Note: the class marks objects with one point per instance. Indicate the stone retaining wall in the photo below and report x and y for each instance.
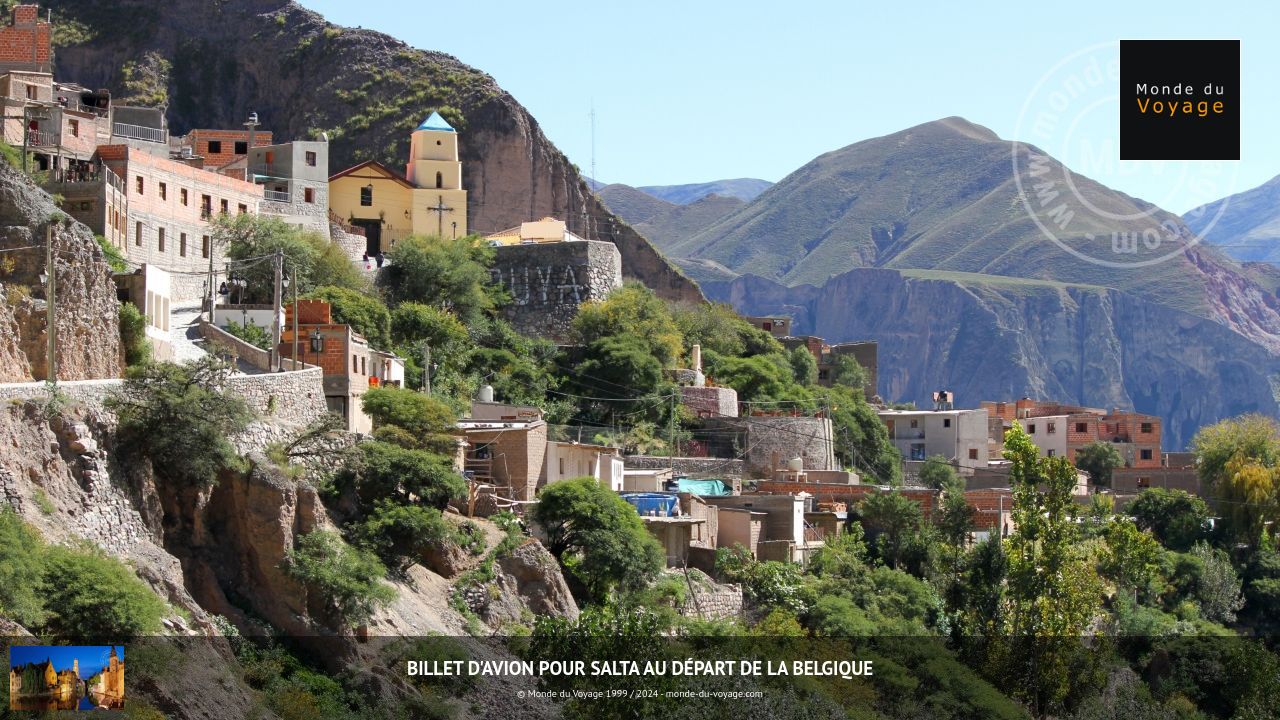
(694, 467)
(548, 282)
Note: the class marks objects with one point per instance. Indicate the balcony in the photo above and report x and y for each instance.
(40, 139)
(137, 132)
(276, 196)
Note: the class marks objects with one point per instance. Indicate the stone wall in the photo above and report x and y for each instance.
(811, 438)
(710, 401)
(694, 467)
(548, 282)
(288, 398)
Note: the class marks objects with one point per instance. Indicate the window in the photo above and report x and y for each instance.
(74, 127)
(915, 424)
(160, 239)
(164, 191)
(1052, 427)
(204, 246)
(1031, 429)
(241, 147)
(1082, 427)
(355, 365)
(824, 374)
(182, 244)
(366, 195)
(137, 234)
(137, 184)
(946, 422)
(1144, 482)
(206, 206)
(86, 206)
(311, 158)
(764, 326)
(1146, 428)
(561, 466)
(214, 147)
(182, 196)
(1052, 452)
(439, 180)
(242, 208)
(31, 92)
(309, 195)
(917, 451)
(973, 453)
(1146, 454)
(222, 204)
(363, 370)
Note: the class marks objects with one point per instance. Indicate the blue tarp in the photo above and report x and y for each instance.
(659, 504)
(706, 488)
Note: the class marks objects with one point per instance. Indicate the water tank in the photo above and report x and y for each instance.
(795, 464)
(485, 394)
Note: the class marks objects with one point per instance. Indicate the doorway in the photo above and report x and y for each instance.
(372, 235)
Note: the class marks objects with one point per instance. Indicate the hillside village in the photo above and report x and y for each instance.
(360, 373)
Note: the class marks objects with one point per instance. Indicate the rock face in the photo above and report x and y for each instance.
(1001, 340)
(87, 312)
(528, 582)
(365, 89)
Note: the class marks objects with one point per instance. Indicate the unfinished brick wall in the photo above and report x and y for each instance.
(24, 42)
(225, 144)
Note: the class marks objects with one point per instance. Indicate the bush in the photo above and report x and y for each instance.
(21, 568)
(254, 334)
(133, 335)
(450, 275)
(91, 595)
(397, 533)
(772, 584)
(419, 415)
(351, 578)
(112, 254)
(180, 414)
(391, 471)
(364, 313)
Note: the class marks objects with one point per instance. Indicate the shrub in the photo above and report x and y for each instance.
(21, 568)
(397, 533)
(252, 333)
(112, 254)
(351, 578)
(364, 313)
(133, 335)
(91, 595)
(391, 471)
(173, 412)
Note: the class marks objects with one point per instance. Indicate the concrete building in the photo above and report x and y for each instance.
(295, 181)
(566, 460)
(148, 288)
(958, 435)
(775, 529)
(1061, 430)
(169, 209)
(779, 327)
(427, 200)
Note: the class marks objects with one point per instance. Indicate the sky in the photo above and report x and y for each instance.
(92, 657)
(697, 91)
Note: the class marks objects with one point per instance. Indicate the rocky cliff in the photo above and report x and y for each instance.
(991, 338)
(87, 312)
(213, 63)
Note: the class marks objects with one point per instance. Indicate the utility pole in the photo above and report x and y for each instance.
(294, 283)
(426, 367)
(275, 320)
(211, 288)
(671, 431)
(51, 332)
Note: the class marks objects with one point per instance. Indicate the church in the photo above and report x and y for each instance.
(427, 199)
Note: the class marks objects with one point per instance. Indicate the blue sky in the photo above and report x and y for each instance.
(92, 657)
(696, 91)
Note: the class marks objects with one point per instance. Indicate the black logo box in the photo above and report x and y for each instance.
(1185, 65)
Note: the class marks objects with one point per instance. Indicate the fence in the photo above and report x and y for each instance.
(137, 132)
(275, 196)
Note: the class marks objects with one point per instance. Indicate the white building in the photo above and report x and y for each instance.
(958, 435)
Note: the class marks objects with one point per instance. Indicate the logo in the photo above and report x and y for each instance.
(1069, 147)
(1180, 99)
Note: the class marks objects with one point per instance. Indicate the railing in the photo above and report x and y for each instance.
(347, 227)
(137, 132)
(265, 169)
(39, 138)
(275, 196)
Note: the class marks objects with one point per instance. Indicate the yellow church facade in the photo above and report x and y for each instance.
(427, 199)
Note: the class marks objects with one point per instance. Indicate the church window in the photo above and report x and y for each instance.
(366, 195)
(439, 180)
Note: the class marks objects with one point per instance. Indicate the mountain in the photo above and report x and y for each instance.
(1245, 226)
(662, 222)
(744, 189)
(943, 196)
(989, 338)
(212, 64)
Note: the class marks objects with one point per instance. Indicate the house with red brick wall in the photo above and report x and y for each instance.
(342, 353)
(25, 41)
(1061, 430)
(222, 147)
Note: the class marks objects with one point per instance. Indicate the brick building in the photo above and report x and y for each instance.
(1060, 430)
(507, 448)
(24, 42)
(219, 148)
(169, 209)
(343, 354)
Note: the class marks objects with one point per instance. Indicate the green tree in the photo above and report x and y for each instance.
(390, 471)
(1237, 461)
(937, 473)
(847, 372)
(1217, 587)
(896, 532)
(861, 438)
(133, 335)
(804, 367)
(1053, 590)
(21, 569)
(1177, 518)
(718, 327)
(758, 378)
(597, 535)
(167, 411)
(397, 533)
(1132, 557)
(447, 274)
(309, 257)
(1098, 460)
(632, 310)
(955, 517)
(363, 312)
(424, 417)
(89, 594)
(348, 578)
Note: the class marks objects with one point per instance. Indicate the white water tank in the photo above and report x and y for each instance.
(795, 464)
(485, 394)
